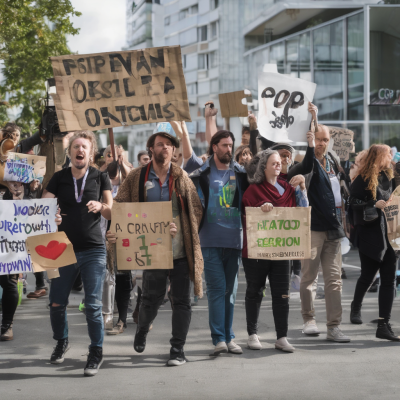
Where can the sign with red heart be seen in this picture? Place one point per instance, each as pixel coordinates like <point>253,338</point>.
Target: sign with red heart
<point>53,250</point>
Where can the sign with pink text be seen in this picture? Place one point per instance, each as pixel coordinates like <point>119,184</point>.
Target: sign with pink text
<point>143,235</point>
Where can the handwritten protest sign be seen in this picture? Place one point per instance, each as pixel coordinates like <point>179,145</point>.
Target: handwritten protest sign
<point>23,168</point>
<point>231,104</point>
<point>283,107</point>
<point>342,142</point>
<point>104,90</point>
<point>18,220</point>
<point>283,233</point>
<point>393,220</point>
<point>51,250</point>
<point>143,238</point>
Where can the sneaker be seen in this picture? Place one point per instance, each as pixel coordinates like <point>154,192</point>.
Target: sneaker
<point>310,328</point>
<point>81,307</point>
<point>176,358</point>
<point>284,345</point>
<point>234,348</point>
<point>119,328</point>
<point>295,283</point>
<point>6,333</point>
<point>57,357</point>
<point>253,342</point>
<point>336,335</point>
<point>94,360</point>
<point>221,347</point>
<point>108,322</point>
<point>384,331</point>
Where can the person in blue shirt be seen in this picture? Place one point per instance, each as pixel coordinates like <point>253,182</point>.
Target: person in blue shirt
<point>221,182</point>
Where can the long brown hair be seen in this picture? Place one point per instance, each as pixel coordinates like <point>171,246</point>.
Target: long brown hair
<point>373,166</point>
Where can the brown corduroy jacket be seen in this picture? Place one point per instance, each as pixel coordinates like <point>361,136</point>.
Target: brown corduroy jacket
<point>190,217</point>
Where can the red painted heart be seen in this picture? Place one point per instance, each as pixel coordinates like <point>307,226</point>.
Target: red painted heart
<point>52,251</point>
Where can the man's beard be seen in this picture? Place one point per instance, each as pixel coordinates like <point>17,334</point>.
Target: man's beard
<point>225,159</point>
<point>321,153</point>
<point>159,159</point>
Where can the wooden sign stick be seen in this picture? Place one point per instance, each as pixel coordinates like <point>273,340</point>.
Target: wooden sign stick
<point>111,136</point>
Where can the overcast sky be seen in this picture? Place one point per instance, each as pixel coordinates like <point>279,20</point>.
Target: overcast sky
<point>102,26</point>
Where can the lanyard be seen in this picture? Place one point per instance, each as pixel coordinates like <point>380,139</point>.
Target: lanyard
<point>79,199</point>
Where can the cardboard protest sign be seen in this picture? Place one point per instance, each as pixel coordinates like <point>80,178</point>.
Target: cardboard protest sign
<point>51,250</point>
<point>20,219</point>
<point>143,238</point>
<point>23,168</point>
<point>283,233</point>
<point>342,142</point>
<point>283,107</point>
<point>393,220</point>
<point>51,273</point>
<point>231,104</point>
<point>105,90</point>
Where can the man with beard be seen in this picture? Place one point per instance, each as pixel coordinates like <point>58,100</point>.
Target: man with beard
<point>161,180</point>
<point>221,182</point>
<point>323,187</point>
<point>84,195</point>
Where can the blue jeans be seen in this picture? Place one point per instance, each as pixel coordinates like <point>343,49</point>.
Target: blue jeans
<point>221,266</point>
<point>92,265</point>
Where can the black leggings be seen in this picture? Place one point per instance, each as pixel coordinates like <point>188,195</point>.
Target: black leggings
<point>9,283</point>
<point>123,287</point>
<point>278,272</point>
<point>39,280</point>
<point>296,267</point>
<point>369,268</point>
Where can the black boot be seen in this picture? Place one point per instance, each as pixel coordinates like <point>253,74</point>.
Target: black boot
<point>384,331</point>
<point>355,314</point>
<point>139,344</point>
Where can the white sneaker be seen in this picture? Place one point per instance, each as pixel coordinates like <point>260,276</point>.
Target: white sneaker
<point>234,348</point>
<point>336,335</point>
<point>253,342</point>
<point>310,328</point>
<point>221,347</point>
<point>284,345</point>
<point>295,283</point>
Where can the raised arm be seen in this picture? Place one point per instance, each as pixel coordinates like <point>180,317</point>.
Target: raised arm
<point>210,114</point>
<point>181,131</point>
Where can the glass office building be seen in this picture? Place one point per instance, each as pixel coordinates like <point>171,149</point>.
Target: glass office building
<point>354,60</point>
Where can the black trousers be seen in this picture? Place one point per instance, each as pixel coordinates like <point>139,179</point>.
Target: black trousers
<point>369,268</point>
<point>39,280</point>
<point>123,288</point>
<point>296,267</point>
<point>278,272</point>
<point>153,292</point>
<point>9,283</point>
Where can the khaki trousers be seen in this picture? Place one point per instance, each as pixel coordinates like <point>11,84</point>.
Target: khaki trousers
<point>327,252</point>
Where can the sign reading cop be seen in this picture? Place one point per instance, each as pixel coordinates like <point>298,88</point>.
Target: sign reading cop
<point>106,90</point>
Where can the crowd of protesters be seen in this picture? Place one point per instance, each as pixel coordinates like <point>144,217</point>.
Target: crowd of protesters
<point>209,194</point>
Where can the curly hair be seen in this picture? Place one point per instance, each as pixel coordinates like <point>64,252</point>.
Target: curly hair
<point>255,168</point>
<point>88,135</point>
<point>372,167</point>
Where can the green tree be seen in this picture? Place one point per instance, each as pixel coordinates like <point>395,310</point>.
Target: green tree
<point>30,33</point>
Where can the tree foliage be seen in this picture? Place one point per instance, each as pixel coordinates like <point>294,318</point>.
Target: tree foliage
<point>30,33</point>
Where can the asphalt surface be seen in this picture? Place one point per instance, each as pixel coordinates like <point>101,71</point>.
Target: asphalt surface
<point>362,369</point>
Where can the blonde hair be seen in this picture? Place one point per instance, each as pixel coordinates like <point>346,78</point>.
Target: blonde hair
<point>373,166</point>
<point>88,135</point>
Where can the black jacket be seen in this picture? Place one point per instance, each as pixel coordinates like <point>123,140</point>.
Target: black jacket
<point>369,237</point>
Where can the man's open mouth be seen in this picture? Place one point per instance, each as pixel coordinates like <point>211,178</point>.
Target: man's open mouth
<point>80,158</point>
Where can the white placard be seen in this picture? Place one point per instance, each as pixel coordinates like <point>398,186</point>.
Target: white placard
<point>283,107</point>
<point>18,220</point>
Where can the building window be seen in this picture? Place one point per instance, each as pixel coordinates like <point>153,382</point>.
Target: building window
<point>167,21</point>
<point>191,88</point>
<point>214,29</point>
<point>183,14</point>
<point>202,33</point>
<point>214,86</point>
<point>214,4</point>
<point>213,57</point>
<point>194,9</point>
<point>184,61</point>
<point>203,61</point>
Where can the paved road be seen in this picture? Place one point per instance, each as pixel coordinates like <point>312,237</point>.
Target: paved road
<point>365,368</point>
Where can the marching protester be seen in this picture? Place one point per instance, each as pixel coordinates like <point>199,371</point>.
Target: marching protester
<point>267,191</point>
<point>243,154</point>
<point>221,183</point>
<point>323,189</point>
<point>143,158</point>
<point>79,189</point>
<point>370,194</point>
<point>162,180</point>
